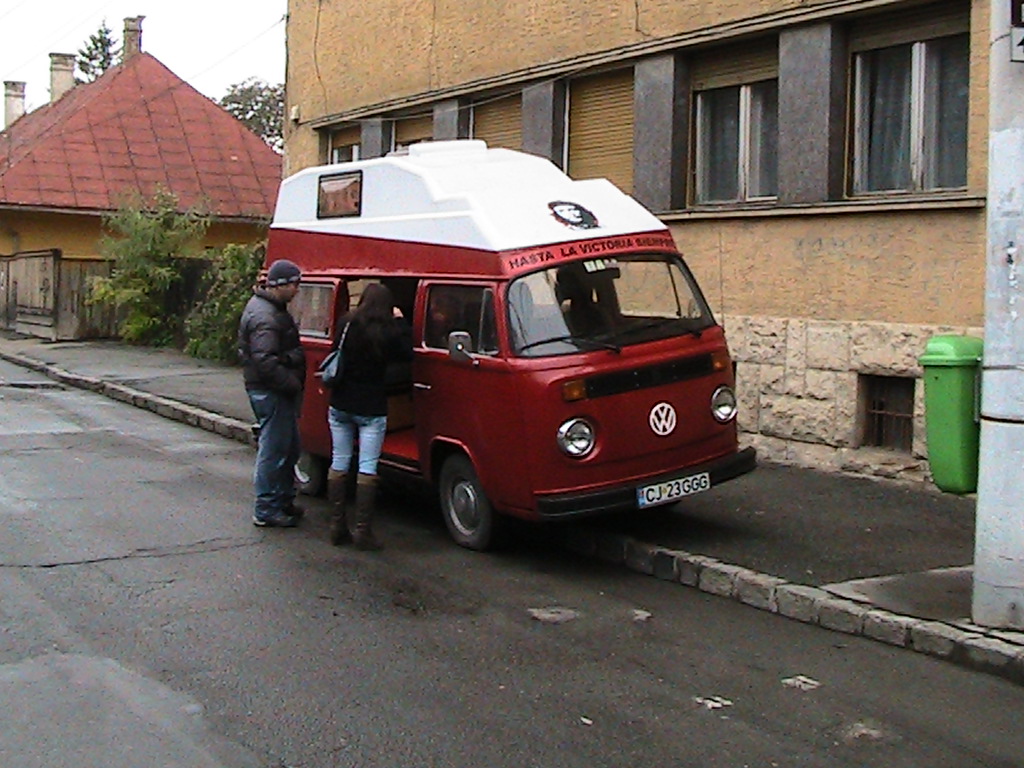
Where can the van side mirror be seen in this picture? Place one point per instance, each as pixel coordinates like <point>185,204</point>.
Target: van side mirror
<point>459,345</point>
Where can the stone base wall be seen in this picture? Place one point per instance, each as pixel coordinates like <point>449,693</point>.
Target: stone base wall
<point>798,386</point>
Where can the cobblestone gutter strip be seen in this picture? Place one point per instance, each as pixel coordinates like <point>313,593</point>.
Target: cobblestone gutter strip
<point>162,406</point>
<point>972,647</point>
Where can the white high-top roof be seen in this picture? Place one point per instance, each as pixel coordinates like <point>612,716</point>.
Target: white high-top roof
<point>462,193</point>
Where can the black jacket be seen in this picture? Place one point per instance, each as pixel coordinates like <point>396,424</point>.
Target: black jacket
<point>362,390</point>
<point>269,348</point>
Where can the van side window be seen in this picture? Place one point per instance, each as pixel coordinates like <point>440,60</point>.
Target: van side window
<point>468,308</point>
<point>312,307</point>
<point>340,194</point>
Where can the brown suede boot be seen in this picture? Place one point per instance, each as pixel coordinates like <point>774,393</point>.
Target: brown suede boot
<point>336,495</point>
<point>360,520</point>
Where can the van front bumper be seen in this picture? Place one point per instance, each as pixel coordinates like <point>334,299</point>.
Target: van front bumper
<point>623,498</point>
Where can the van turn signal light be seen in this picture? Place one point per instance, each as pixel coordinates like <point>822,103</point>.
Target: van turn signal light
<point>574,390</point>
<point>720,360</point>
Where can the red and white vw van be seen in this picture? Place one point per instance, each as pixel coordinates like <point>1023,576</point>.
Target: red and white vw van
<point>565,361</point>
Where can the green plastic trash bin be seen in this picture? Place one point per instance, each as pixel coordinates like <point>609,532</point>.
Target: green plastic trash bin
<point>952,402</point>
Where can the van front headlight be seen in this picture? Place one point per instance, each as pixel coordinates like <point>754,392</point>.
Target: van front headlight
<point>723,404</point>
<point>576,437</point>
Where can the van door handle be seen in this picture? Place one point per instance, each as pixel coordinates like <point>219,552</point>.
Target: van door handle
<point>420,385</point>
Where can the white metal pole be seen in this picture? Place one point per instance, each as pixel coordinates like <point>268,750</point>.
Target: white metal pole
<point>998,599</point>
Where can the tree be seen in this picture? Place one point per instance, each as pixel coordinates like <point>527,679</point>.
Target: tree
<point>260,107</point>
<point>211,327</point>
<point>148,243</point>
<point>98,55</point>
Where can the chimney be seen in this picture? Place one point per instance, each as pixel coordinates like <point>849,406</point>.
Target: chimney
<point>14,101</point>
<point>62,74</point>
<point>132,37</point>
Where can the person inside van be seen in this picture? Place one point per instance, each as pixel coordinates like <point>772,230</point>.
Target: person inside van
<point>372,336</point>
<point>521,313</point>
<point>443,311</point>
<point>582,315</point>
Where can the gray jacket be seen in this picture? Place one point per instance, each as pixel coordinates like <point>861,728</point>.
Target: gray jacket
<point>268,347</point>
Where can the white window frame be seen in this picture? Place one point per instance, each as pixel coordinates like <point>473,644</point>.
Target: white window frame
<point>922,123</point>
<point>336,153</point>
<point>746,156</point>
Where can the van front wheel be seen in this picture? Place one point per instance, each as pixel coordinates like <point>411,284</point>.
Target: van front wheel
<point>467,512</point>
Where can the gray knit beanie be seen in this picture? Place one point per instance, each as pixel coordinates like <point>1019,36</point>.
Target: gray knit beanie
<point>283,272</point>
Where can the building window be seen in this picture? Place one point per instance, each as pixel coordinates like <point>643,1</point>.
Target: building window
<point>599,139</point>
<point>412,130</point>
<point>345,154</point>
<point>737,142</point>
<point>888,412</point>
<point>910,116</point>
<point>344,145</point>
<point>499,121</point>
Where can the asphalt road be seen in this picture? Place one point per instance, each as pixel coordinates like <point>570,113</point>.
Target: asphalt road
<point>146,622</point>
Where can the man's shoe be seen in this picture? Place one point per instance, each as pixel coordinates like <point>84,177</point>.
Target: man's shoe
<point>276,520</point>
<point>295,511</point>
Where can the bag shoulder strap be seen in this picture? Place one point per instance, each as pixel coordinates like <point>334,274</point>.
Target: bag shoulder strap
<point>341,339</point>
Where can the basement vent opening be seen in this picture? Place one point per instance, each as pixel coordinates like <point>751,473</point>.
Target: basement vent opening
<point>888,412</point>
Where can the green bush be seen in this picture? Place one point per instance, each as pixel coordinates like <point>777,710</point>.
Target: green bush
<point>211,328</point>
<point>147,244</point>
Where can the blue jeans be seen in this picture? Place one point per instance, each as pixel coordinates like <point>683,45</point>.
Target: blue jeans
<point>278,449</point>
<point>344,428</point>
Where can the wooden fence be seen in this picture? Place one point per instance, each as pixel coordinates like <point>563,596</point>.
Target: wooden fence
<point>45,295</point>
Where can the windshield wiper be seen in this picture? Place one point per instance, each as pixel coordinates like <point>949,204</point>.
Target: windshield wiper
<point>579,341</point>
<point>660,322</point>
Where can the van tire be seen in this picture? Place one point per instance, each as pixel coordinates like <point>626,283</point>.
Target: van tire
<point>471,520</point>
<point>311,474</point>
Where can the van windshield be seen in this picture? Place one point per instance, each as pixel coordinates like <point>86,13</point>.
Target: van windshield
<point>603,303</point>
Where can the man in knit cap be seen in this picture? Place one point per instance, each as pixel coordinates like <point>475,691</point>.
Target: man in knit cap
<point>274,369</point>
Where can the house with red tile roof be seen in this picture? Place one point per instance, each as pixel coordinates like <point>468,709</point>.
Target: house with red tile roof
<point>134,131</point>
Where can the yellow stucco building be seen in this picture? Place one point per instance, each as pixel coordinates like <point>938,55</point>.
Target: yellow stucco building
<point>822,166</point>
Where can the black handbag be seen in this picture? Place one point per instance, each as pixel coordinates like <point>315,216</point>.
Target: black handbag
<point>332,367</point>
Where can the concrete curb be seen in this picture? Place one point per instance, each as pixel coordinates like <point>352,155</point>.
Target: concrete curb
<point>965,645</point>
<point>968,646</point>
<point>170,409</point>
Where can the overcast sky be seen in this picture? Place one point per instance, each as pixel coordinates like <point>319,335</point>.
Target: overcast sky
<point>211,44</point>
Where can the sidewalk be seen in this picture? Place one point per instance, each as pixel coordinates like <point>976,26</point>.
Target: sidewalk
<point>881,560</point>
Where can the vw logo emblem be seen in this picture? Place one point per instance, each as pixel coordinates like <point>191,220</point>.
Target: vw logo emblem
<point>662,419</point>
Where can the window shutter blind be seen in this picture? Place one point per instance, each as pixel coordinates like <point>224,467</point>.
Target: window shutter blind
<point>500,122</point>
<point>740,63</point>
<point>346,137</point>
<point>409,130</point>
<point>923,22</point>
<point>601,128</point>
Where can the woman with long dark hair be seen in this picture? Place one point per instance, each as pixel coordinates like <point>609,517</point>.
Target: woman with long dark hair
<point>372,336</point>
